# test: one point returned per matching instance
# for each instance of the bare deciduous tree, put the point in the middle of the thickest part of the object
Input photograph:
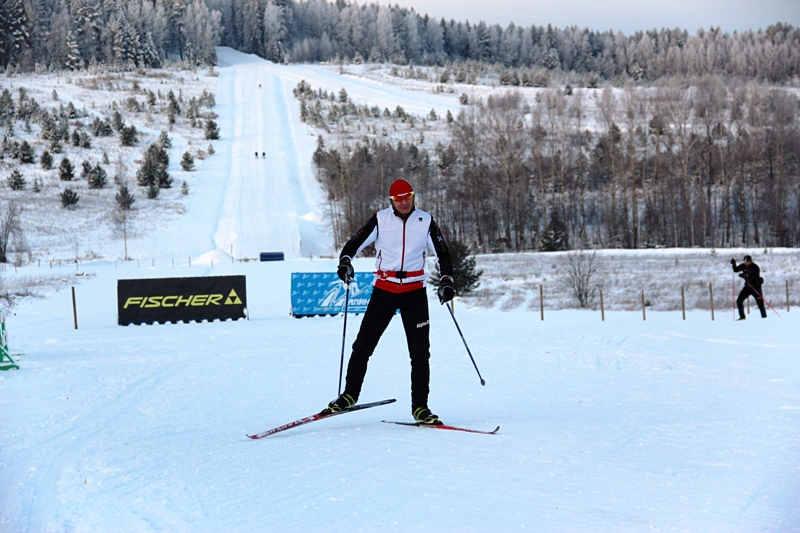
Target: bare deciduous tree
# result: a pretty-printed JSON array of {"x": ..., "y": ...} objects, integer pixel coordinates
[
  {"x": 582, "y": 275},
  {"x": 9, "y": 225}
]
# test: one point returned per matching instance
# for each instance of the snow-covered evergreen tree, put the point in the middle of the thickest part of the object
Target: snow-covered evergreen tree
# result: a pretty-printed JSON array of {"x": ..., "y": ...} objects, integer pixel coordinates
[
  {"x": 18, "y": 31},
  {"x": 73, "y": 60},
  {"x": 16, "y": 182}
]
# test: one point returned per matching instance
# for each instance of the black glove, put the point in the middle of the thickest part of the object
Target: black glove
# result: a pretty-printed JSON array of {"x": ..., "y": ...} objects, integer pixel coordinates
[
  {"x": 345, "y": 270},
  {"x": 446, "y": 291},
  {"x": 743, "y": 275},
  {"x": 733, "y": 262}
]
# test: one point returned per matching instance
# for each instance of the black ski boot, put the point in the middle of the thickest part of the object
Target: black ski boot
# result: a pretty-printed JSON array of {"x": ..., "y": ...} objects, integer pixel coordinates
[
  {"x": 342, "y": 402},
  {"x": 423, "y": 415}
]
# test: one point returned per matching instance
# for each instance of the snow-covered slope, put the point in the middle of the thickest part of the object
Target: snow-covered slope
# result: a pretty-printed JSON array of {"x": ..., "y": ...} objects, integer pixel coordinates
[
  {"x": 272, "y": 202},
  {"x": 617, "y": 426}
]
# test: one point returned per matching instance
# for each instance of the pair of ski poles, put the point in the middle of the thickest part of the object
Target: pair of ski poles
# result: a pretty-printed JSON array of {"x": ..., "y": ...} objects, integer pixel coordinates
[{"x": 344, "y": 333}]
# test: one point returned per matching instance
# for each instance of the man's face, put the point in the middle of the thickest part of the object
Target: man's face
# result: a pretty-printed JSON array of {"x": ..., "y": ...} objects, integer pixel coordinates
[{"x": 403, "y": 203}]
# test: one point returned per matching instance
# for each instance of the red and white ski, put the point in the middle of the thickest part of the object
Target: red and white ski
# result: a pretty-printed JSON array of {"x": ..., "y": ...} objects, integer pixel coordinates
[
  {"x": 325, "y": 413},
  {"x": 444, "y": 426}
]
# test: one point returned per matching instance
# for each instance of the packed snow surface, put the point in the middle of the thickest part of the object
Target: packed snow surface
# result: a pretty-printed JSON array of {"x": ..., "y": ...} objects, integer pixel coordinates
[{"x": 620, "y": 425}]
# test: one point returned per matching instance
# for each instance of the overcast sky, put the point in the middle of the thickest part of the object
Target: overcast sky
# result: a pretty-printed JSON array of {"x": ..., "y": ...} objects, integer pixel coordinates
[{"x": 627, "y": 16}]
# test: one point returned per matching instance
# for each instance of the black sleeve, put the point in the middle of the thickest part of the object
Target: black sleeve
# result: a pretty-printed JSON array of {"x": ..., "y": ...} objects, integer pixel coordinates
[
  {"x": 739, "y": 267},
  {"x": 351, "y": 247},
  {"x": 442, "y": 251}
]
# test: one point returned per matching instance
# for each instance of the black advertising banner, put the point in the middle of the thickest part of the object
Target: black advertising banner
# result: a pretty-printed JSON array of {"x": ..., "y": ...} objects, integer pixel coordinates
[{"x": 146, "y": 301}]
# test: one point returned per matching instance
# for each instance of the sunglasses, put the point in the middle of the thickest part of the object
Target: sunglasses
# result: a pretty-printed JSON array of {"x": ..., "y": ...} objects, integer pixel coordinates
[{"x": 405, "y": 196}]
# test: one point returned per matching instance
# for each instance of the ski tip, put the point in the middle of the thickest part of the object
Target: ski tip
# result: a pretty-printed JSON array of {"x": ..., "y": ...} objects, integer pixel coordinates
[{"x": 483, "y": 382}]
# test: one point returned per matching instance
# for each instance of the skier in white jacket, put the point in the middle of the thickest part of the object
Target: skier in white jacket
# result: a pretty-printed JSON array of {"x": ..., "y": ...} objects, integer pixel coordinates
[{"x": 404, "y": 237}]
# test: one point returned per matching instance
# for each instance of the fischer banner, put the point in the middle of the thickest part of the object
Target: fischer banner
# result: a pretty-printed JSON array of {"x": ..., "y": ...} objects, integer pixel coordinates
[
  {"x": 148, "y": 301},
  {"x": 322, "y": 293}
]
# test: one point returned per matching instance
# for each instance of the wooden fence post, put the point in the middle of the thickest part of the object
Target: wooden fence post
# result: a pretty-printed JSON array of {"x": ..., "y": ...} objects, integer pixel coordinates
[
  {"x": 602, "y": 307},
  {"x": 711, "y": 293},
  {"x": 541, "y": 301},
  {"x": 787, "y": 295},
  {"x": 683, "y": 302},
  {"x": 74, "y": 309},
  {"x": 644, "y": 313}
]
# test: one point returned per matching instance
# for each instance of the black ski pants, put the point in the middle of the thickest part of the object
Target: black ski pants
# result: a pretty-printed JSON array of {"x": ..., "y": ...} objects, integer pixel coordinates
[
  {"x": 382, "y": 306},
  {"x": 747, "y": 292}
]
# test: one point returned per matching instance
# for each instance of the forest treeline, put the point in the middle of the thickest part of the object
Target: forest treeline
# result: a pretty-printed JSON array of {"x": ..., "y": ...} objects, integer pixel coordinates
[
  {"x": 694, "y": 163},
  {"x": 75, "y": 34}
]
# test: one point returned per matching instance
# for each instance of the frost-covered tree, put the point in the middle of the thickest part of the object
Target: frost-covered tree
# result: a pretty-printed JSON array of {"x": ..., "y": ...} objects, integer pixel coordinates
[
  {"x": 73, "y": 60},
  {"x": 17, "y": 30},
  {"x": 16, "y": 182},
  {"x": 26, "y": 153},
  {"x": 252, "y": 27},
  {"x": 124, "y": 198},
  {"x": 164, "y": 140},
  {"x": 212, "y": 130},
  {"x": 66, "y": 171},
  {"x": 153, "y": 170},
  {"x": 69, "y": 198},
  {"x": 187, "y": 162},
  {"x": 274, "y": 32},
  {"x": 46, "y": 160},
  {"x": 129, "y": 135},
  {"x": 97, "y": 177}
]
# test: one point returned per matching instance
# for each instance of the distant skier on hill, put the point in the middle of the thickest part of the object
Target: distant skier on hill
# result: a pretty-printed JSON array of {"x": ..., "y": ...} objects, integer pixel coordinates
[
  {"x": 403, "y": 237},
  {"x": 751, "y": 274}
]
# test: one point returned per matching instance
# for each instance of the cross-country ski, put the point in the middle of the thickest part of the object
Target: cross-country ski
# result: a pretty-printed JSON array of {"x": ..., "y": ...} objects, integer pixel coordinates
[
  {"x": 443, "y": 426},
  {"x": 325, "y": 413}
]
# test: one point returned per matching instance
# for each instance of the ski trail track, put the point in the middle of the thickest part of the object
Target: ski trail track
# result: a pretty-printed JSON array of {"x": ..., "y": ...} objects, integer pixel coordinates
[
  {"x": 259, "y": 191},
  {"x": 87, "y": 432},
  {"x": 271, "y": 199}
]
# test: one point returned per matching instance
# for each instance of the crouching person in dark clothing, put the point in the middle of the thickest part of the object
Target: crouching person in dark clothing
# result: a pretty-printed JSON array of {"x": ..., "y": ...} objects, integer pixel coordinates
[
  {"x": 404, "y": 236},
  {"x": 751, "y": 275}
]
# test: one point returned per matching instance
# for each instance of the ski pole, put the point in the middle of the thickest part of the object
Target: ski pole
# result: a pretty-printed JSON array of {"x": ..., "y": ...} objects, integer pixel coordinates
[
  {"x": 465, "y": 344},
  {"x": 762, "y": 298},
  {"x": 733, "y": 296},
  {"x": 344, "y": 333}
]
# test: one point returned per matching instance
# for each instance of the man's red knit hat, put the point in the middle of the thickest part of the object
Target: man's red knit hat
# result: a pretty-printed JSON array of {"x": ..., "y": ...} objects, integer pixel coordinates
[{"x": 400, "y": 188}]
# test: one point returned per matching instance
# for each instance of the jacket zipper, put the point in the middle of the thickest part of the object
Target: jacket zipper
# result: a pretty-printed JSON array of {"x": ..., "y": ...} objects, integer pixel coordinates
[{"x": 403, "y": 253}]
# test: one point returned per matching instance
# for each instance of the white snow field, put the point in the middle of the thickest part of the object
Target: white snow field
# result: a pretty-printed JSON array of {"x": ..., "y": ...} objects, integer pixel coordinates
[{"x": 620, "y": 425}]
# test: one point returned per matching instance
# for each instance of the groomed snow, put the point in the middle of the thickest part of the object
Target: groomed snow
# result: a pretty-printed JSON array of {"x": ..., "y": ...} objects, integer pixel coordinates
[{"x": 617, "y": 426}]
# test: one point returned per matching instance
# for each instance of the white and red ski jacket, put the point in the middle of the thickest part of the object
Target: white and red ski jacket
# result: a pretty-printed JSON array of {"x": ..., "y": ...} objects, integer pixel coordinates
[{"x": 401, "y": 248}]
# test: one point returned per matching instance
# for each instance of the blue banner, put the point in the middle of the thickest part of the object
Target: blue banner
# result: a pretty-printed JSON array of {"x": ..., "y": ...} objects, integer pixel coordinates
[{"x": 322, "y": 293}]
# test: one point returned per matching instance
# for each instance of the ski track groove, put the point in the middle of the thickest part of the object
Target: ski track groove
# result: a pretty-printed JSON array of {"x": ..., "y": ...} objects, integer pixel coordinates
[{"x": 44, "y": 502}]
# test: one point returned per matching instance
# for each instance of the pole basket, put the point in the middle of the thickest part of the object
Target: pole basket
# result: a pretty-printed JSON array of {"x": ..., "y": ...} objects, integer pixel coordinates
[{"x": 6, "y": 362}]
